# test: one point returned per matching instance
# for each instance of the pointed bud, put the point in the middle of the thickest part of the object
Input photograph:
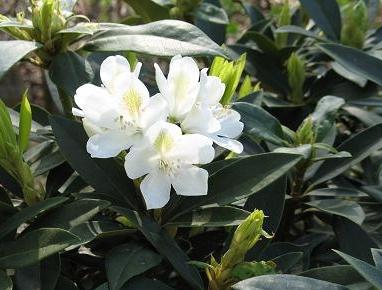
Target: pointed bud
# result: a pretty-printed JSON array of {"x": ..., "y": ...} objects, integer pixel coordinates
[{"x": 296, "y": 77}]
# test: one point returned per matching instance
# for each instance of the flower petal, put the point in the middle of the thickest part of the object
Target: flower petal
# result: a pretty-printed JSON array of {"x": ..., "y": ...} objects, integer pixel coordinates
[
  {"x": 97, "y": 105},
  {"x": 167, "y": 130},
  {"x": 211, "y": 89},
  {"x": 230, "y": 144},
  {"x": 191, "y": 181},
  {"x": 111, "y": 68},
  {"x": 200, "y": 120},
  {"x": 108, "y": 144},
  {"x": 156, "y": 188},
  {"x": 140, "y": 161},
  {"x": 155, "y": 110},
  {"x": 194, "y": 149}
]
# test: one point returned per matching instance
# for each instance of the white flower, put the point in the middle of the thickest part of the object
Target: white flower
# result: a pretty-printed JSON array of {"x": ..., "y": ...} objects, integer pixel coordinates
[
  {"x": 169, "y": 159},
  {"x": 199, "y": 111},
  {"x": 117, "y": 114}
]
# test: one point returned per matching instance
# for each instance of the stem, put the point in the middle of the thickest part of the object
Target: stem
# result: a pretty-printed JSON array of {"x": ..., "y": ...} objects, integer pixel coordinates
[{"x": 66, "y": 102}]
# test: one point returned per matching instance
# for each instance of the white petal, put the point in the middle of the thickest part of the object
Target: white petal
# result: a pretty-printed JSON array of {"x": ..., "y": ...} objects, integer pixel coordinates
[
  {"x": 193, "y": 149},
  {"x": 90, "y": 128},
  {"x": 155, "y": 189},
  {"x": 108, "y": 144},
  {"x": 200, "y": 120},
  {"x": 111, "y": 68},
  {"x": 211, "y": 89},
  {"x": 173, "y": 131},
  {"x": 137, "y": 69},
  {"x": 163, "y": 87},
  {"x": 97, "y": 105},
  {"x": 140, "y": 161},
  {"x": 230, "y": 122},
  {"x": 78, "y": 113},
  {"x": 183, "y": 84},
  {"x": 191, "y": 181},
  {"x": 230, "y": 144},
  {"x": 155, "y": 110},
  {"x": 134, "y": 95}
]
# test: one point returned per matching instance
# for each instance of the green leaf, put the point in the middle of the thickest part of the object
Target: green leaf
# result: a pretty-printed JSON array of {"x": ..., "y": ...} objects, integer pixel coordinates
[
  {"x": 25, "y": 124},
  {"x": 377, "y": 257},
  {"x": 359, "y": 146},
  {"x": 287, "y": 261},
  {"x": 5, "y": 281},
  {"x": 69, "y": 71},
  {"x": 149, "y": 10},
  {"x": 346, "y": 208},
  {"x": 339, "y": 274},
  {"x": 326, "y": 15},
  {"x": 298, "y": 30},
  {"x": 28, "y": 213},
  {"x": 282, "y": 282},
  {"x": 127, "y": 261},
  {"x": 165, "y": 245},
  {"x": 43, "y": 275},
  {"x": 355, "y": 60},
  {"x": 34, "y": 247},
  {"x": 250, "y": 174},
  {"x": 260, "y": 123},
  {"x": 65, "y": 284},
  {"x": 162, "y": 38},
  {"x": 105, "y": 175},
  {"x": 370, "y": 273},
  {"x": 324, "y": 115},
  {"x": 11, "y": 51},
  {"x": 142, "y": 283},
  {"x": 72, "y": 214},
  {"x": 337, "y": 191},
  {"x": 359, "y": 248},
  {"x": 222, "y": 216}
]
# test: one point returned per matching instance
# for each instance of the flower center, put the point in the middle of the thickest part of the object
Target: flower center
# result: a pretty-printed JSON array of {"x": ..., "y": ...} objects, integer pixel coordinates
[
  {"x": 132, "y": 102},
  {"x": 169, "y": 167},
  {"x": 163, "y": 142}
]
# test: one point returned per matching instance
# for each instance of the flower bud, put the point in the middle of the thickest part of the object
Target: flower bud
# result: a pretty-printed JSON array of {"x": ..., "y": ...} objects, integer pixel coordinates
[
  {"x": 355, "y": 24},
  {"x": 284, "y": 18},
  {"x": 305, "y": 134},
  {"x": 296, "y": 77}
]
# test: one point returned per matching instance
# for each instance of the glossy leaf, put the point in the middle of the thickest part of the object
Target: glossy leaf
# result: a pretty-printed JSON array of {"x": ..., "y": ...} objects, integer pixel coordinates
[
  {"x": 11, "y": 51},
  {"x": 370, "y": 273},
  {"x": 162, "y": 38},
  {"x": 105, "y": 175},
  {"x": 346, "y": 208},
  {"x": 282, "y": 282},
  {"x": 28, "y": 213},
  {"x": 359, "y": 146},
  {"x": 34, "y": 247},
  {"x": 260, "y": 123},
  {"x": 127, "y": 261},
  {"x": 326, "y": 15},
  {"x": 355, "y": 60}
]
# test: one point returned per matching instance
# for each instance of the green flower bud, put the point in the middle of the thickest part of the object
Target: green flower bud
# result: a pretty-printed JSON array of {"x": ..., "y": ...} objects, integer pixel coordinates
[
  {"x": 230, "y": 73},
  {"x": 355, "y": 24},
  {"x": 296, "y": 77},
  {"x": 284, "y": 18},
  {"x": 305, "y": 134}
]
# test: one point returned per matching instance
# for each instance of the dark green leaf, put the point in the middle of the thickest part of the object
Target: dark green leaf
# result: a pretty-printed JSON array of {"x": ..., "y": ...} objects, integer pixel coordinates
[
  {"x": 346, "y": 208},
  {"x": 359, "y": 146},
  {"x": 326, "y": 14},
  {"x": 141, "y": 283},
  {"x": 165, "y": 245},
  {"x": 260, "y": 123},
  {"x": 298, "y": 30},
  {"x": 355, "y": 61},
  {"x": 339, "y": 274},
  {"x": 69, "y": 71},
  {"x": 377, "y": 257},
  {"x": 162, "y": 38},
  {"x": 284, "y": 282},
  {"x": 105, "y": 175},
  {"x": 287, "y": 261},
  {"x": 222, "y": 216},
  {"x": 43, "y": 275},
  {"x": 28, "y": 213},
  {"x": 250, "y": 174},
  {"x": 34, "y": 247},
  {"x": 149, "y": 10},
  {"x": 11, "y": 51},
  {"x": 127, "y": 261},
  {"x": 370, "y": 273},
  {"x": 345, "y": 231}
]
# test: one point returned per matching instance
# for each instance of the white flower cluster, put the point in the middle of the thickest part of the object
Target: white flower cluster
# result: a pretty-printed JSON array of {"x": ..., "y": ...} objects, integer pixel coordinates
[{"x": 168, "y": 134}]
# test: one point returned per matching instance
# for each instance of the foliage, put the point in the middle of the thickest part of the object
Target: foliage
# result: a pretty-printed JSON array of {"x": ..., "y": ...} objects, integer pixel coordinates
[{"x": 305, "y": 80}]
